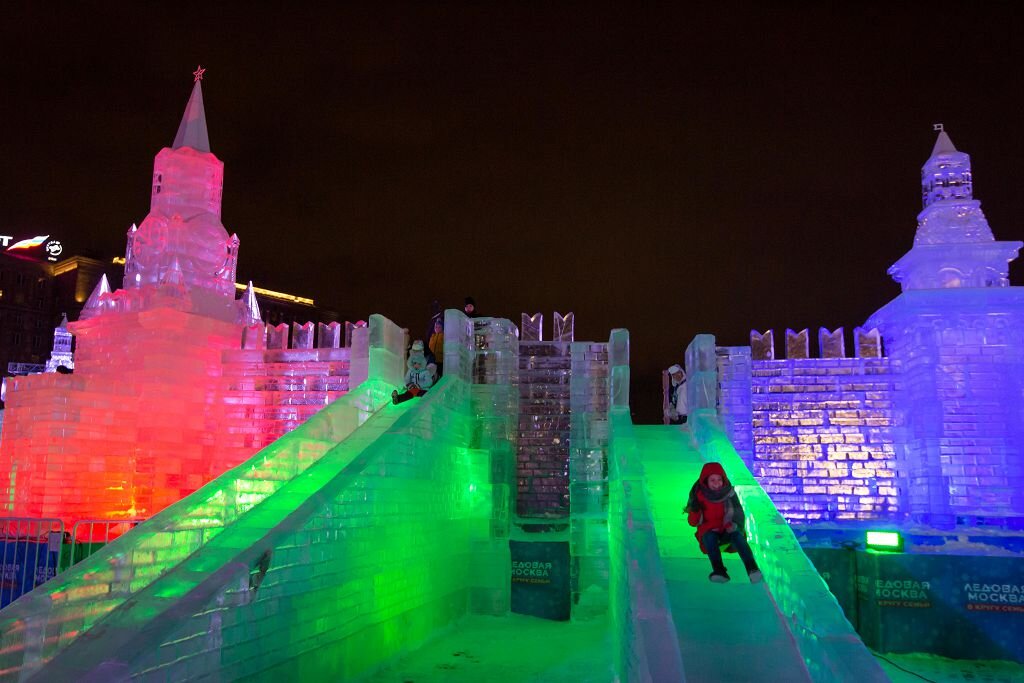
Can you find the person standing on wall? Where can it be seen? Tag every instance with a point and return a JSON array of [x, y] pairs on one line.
[[674, 402]]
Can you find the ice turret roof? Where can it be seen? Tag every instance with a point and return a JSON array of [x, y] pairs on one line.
[[943, 145], [252, 307], [93, 304], [192, 130]]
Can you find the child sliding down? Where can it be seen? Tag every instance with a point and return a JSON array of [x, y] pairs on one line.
[[714, 508], [420, 376]]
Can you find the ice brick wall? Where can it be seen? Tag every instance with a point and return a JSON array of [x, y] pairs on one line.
[[823, 435], [589, 397], [269, 392], [820, 434], [961, 353], [542, 454]]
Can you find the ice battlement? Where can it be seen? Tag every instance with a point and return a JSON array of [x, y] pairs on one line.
[[299, 336], [867, 343]]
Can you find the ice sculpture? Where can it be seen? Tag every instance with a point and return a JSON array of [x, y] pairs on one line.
[[61, 355]]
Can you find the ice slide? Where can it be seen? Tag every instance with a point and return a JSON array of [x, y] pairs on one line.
[[788, 628], [727, 632], [357, 536], [303, 561]]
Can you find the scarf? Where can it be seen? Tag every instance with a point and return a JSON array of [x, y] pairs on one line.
[[722, 495]]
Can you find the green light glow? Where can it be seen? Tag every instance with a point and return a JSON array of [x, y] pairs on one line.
[[887, 540]]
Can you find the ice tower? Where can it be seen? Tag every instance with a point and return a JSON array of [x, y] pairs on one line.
[[182, 241], [954, 246], [956, 335], [138, 425]]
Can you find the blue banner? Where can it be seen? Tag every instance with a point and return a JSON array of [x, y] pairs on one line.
[[25, 564]]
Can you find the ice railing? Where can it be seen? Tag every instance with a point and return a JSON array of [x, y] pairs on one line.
[[382, 543], [829, 645], [648, 647], [41, 623]]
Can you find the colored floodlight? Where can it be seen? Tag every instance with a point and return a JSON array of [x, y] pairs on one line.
[[890, 541]]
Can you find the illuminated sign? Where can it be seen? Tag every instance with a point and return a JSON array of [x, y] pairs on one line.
[[30, 247]]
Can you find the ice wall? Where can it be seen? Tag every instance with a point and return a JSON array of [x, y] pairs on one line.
[[269, 392], [589, 401]]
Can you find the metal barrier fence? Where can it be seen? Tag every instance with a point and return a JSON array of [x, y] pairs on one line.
[[33, 551], [30, 552]]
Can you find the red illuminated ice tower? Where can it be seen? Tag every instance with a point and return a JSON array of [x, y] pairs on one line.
[[137, 426], [182, 241]]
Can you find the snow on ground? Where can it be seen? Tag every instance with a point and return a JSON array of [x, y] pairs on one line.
[[513, 649], [942, 670]]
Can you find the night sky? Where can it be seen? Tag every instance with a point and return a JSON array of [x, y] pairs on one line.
[[672, 172]]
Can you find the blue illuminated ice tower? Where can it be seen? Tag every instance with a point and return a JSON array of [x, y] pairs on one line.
[[956, 335]]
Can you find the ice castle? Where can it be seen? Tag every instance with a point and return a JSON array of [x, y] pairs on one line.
[[296, 523]]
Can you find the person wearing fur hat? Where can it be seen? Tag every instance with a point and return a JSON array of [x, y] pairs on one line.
[[675, 403], [418, 378], [714, 508]]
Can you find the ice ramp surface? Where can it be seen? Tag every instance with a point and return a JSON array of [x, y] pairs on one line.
[[727, 632], [735, 631], [298, 561]]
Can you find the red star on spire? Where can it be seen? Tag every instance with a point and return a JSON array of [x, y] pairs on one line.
[[198, 73]]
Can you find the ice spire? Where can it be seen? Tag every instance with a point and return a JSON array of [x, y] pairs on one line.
[[943, 145], [192, 130], [252, 307], [947, 173], [94, 305]]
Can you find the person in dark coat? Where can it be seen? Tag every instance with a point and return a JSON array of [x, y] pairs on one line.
[[714, 508], [469, 308]]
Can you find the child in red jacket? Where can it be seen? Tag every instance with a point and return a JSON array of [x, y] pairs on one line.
[[714, 508]]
